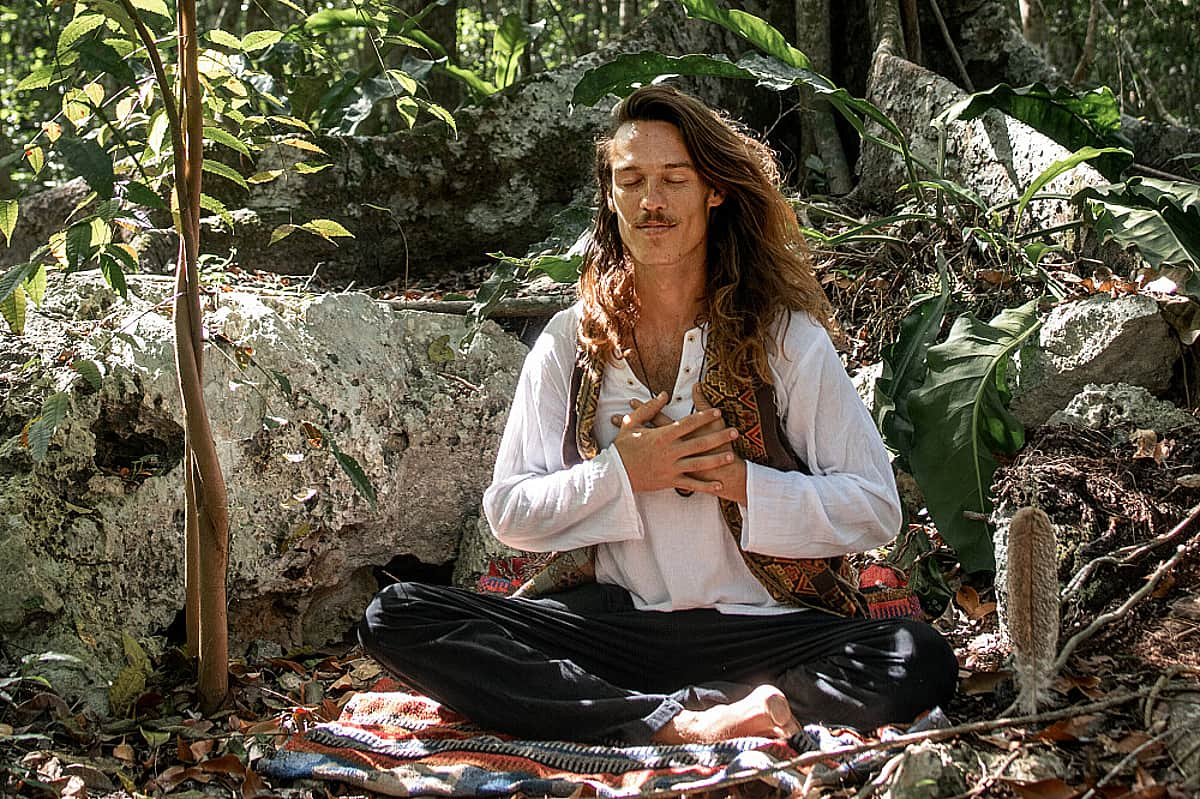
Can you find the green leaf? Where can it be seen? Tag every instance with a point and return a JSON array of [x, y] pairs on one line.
[[124, 254], [37, 159], [215, 206], [280, 233], [1054, 170], [508, 44], [441, 113], [440, 351], [408, 108], [264, 177], [326, 229], [260, 40], [90, 370], [304, 168], [83, 239], [960, 419], [114, 275], [8, 219], [478, 86], [140, 194], [904, 365], [40, 78], [331, 19], [12, 308], [76, 29], [40, 431], [1161, 218], [358, 478], [35, 285], [755, 30], [303, 144], [14, 277], [222, 136], [402, 79], [89, 160], [622, 74], [1091, 118], [224, 39], [225, 171]]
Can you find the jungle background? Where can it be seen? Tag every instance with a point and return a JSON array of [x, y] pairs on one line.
[[971, 174]]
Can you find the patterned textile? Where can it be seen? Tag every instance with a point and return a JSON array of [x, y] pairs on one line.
[[402, 744], [828, 584]]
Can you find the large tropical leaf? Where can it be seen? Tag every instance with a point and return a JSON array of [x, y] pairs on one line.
[[755, 30], [1054, 170], [1161, 218], [904, 368], [1073, 120], [960, 419]]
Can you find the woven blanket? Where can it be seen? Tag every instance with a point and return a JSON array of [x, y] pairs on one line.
[[403, 744]]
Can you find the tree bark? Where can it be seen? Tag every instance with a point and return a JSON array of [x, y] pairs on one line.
[[1089, 44], [1033, 23], [821, 134]]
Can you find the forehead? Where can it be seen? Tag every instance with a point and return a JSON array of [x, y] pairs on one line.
[[644, 144]]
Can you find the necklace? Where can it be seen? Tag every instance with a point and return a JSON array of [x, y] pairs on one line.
[[641, 363]]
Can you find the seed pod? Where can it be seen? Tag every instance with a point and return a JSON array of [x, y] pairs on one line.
[[1032, 603]]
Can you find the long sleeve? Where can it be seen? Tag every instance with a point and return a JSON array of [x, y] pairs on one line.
[[534, 502], [849, 503]]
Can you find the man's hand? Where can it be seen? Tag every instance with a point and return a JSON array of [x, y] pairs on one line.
[[669, 454], [730, 475]]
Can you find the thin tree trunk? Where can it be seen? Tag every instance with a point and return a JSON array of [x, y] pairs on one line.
[[628, 12], [812, 37], [912, 30], [1033, 23], [527, 54], [1089, 44]]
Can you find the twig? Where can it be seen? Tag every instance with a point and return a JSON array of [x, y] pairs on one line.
[[1129, 758], [1089, 44], [989, 779], [1148, 706], [1104, 618], [810, 758], [509, 306], [1131, 54], [962, 68]]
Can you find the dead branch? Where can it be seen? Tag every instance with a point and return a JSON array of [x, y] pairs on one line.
[[1105, 618], [962, 68], [1128, 759]]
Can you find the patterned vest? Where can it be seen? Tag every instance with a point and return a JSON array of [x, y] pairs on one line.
[[826, 584]]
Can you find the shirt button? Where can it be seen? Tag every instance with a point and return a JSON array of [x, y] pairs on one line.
[[691, 337], [679, 399], [687, 370], [630, 382]]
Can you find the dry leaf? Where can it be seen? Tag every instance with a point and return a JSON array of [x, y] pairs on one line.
[[995, 277], [983, 682], [1076, 728], [1088, 685], [1148, 445], [5, 730], [342, 683], [968, 599], [253, 786], [367, 670], [1188, 481], [123, 752]]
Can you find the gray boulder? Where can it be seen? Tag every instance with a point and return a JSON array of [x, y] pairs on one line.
[[1097, 340], [1121, 405], [91, 537]]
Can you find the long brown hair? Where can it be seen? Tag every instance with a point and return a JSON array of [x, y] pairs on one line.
[[758, 264]]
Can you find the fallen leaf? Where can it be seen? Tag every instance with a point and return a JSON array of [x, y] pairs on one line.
[[1042, 789], [1148, 445], [201, 749], [968, 599], [93, 778], [342, 683], [123, 752], [1088, 685], [1188, 481], [5, 730], [995, 277], [983, 682], [367, 670], [225, 764], [1072, 729], [253, 786]]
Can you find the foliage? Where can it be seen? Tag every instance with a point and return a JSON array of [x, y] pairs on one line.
[[1089, 118], [1161, 218], [960, 420]]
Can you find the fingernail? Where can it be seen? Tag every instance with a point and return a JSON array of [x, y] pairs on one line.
[[729, 459], [715, 412], [733, 432], [717, 486]]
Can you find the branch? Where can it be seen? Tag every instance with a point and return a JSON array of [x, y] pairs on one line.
[[1131, 54], [1089, 44], [962, 68], [510, 306]]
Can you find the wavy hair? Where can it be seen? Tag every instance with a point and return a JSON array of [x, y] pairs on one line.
[[758, 264]]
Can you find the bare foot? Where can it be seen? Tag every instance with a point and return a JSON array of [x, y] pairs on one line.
[[765, 712]]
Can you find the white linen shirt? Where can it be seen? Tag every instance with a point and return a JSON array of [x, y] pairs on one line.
[[672, 552]]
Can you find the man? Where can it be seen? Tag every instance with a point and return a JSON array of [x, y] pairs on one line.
[[713, 599]]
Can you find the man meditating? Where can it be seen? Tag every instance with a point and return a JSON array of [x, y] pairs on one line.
[[687, 438]]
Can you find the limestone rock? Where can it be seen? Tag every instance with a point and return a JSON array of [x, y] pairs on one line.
[[91, 540], [926, 771], [1097, 340], [1112, 405]]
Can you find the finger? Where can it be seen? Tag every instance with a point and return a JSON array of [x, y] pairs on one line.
[[661, 420], [693, 422], [692, 484], [700, 401], [718, 440], [644, 413], [705, 462]]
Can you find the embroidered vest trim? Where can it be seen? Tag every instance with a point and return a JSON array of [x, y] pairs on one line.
[[826, 584]]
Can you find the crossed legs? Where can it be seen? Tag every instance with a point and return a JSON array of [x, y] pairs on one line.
[[586, 666]]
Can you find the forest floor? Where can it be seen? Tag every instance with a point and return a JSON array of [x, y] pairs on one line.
[[1120, 720]]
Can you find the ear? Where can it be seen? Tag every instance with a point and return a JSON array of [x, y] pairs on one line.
[[608, 200], [715, 198]]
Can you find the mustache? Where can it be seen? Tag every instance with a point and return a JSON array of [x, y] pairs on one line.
[[655, 217]]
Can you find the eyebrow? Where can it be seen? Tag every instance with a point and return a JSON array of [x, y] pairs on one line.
[[672, 165]]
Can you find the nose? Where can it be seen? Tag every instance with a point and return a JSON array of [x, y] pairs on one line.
[[653, 197]]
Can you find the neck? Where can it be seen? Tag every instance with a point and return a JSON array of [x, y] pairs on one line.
[[669, 300]]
